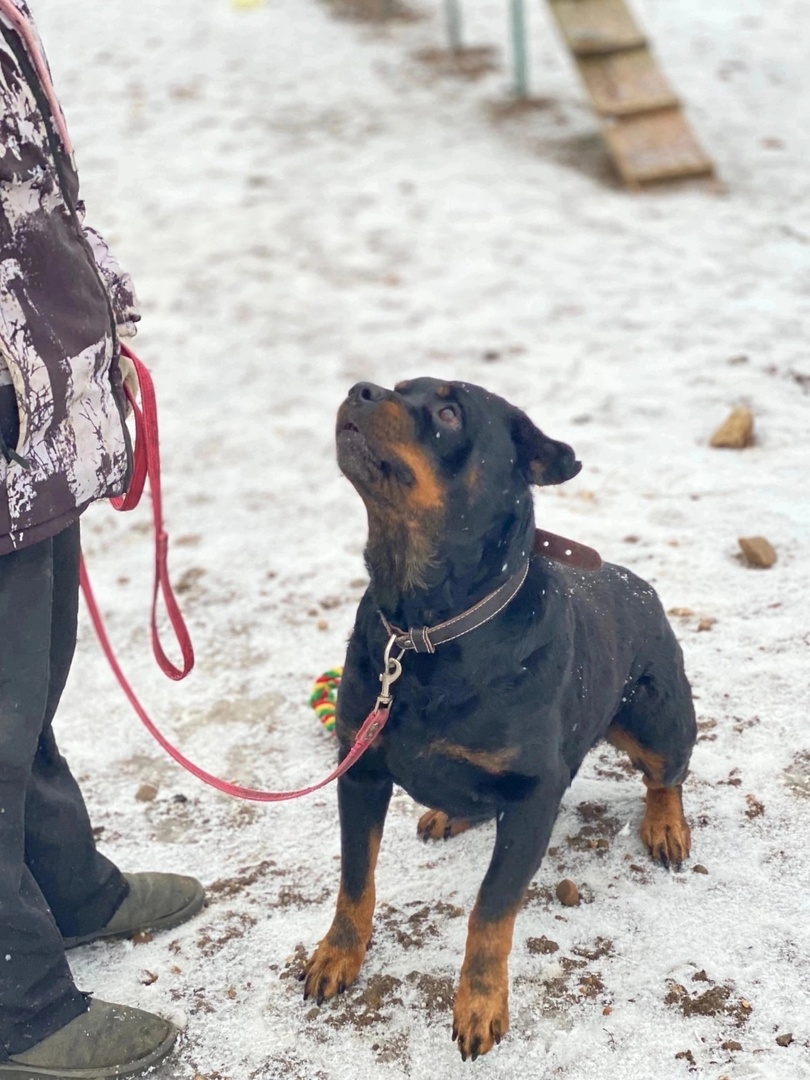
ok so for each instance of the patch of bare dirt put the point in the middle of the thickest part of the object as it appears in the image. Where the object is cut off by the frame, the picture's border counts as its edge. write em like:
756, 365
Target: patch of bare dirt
374, 10
230, 926
596, 950
290, 897
539, 894
567, 980
717, 999
294, 965
189, 585
225, 888
392, 1050
689, 1058
466, 63
515, 107
598, 830
365, 1006
415, 930
436, 990
706, 730
541, 946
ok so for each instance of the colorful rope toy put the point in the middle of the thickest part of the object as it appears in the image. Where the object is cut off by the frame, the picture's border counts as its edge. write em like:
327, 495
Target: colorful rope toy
323, 698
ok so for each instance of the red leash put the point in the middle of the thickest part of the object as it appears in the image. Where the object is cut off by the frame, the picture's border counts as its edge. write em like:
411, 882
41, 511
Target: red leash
147, 464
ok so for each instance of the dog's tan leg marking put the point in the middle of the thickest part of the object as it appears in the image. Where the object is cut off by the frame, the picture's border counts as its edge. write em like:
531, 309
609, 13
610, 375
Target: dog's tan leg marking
650, 763
339, 957
664, 828
481, 1012
436, 825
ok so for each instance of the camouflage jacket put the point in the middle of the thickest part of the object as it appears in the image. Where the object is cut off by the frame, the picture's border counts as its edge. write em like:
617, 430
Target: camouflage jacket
64, 303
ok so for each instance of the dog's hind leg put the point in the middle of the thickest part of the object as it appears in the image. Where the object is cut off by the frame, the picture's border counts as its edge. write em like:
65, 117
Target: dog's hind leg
664, 828
657, 731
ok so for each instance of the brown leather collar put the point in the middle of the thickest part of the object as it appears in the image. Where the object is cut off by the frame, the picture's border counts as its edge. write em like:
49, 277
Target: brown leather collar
566, 551
424, 639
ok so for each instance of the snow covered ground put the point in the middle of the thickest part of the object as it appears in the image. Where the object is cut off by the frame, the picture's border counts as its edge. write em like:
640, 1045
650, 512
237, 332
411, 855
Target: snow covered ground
303, 203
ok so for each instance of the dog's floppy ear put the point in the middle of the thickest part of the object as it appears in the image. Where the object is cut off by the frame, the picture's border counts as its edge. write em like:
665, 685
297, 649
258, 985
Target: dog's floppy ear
544, 460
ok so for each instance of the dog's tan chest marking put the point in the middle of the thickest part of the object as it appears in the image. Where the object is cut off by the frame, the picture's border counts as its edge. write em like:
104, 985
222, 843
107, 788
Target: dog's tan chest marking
495, 762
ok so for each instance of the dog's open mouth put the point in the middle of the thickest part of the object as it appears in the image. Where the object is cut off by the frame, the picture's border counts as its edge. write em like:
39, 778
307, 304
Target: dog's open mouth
349, 436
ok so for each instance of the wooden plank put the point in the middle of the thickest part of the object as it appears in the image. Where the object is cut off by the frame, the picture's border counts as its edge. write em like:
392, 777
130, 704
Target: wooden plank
593, 27
655, 147
645, 130
624, 83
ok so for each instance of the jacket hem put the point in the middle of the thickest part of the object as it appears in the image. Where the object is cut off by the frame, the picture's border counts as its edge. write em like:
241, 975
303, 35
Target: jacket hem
33, 534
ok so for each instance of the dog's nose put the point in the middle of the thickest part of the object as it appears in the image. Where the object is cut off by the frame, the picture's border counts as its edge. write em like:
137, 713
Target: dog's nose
366, 393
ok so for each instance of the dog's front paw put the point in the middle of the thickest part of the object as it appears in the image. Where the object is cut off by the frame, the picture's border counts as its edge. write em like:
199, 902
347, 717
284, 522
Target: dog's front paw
481, 1015
664, 829
334, 966
436, 825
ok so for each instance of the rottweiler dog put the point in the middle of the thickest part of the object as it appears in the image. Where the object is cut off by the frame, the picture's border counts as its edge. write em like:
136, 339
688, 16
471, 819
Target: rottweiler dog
492, 717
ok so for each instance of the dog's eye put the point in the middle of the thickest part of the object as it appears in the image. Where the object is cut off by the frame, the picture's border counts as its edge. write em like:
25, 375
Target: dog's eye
449, 416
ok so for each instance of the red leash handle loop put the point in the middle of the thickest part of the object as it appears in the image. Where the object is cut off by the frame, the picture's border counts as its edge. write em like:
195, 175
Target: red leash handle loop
147, 464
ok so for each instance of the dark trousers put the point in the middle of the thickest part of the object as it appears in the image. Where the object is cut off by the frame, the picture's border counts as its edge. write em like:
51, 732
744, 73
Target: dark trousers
52, 879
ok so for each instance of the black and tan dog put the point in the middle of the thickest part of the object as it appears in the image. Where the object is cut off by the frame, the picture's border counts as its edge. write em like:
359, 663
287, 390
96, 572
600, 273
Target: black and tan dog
492, 717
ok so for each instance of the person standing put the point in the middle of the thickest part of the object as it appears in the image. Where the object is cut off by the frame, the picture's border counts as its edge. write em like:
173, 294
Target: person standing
65, 305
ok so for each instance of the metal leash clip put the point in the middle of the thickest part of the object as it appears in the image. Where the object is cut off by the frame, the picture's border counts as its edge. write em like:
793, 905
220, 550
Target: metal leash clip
393, 670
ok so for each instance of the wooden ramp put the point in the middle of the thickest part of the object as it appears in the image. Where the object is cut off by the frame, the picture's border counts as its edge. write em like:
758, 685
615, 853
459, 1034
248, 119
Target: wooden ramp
641, 117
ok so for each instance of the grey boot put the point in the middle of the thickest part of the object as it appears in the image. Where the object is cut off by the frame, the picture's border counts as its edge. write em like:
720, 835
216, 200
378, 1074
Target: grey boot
107, 1041
154, 902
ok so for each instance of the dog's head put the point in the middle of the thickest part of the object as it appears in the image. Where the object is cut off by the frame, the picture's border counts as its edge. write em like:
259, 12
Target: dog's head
440, 463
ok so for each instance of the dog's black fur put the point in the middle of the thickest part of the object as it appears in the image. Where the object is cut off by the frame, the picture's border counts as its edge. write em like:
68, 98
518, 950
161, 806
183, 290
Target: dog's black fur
496, 723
